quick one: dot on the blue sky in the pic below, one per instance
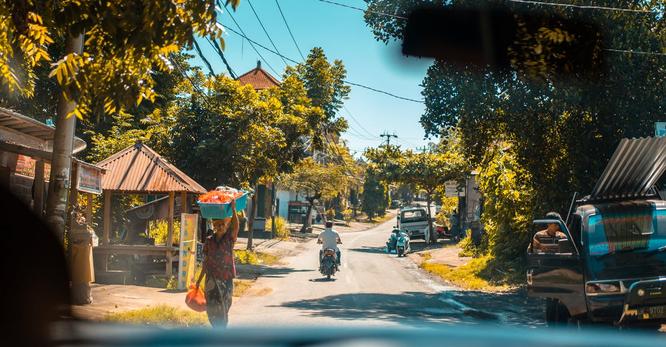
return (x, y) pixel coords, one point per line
(342, 33)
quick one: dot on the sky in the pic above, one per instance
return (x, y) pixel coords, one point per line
(343, 34)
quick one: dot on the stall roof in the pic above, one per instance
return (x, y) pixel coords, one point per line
(139, 169)
(633, 170)
(19, 124)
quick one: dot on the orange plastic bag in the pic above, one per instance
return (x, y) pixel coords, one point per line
(195, 299)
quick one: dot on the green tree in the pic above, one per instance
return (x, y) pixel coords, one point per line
(326, 88)
(317, 182)
(428, 172)
(373, 198)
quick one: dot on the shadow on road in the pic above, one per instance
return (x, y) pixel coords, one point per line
(416, 308)
(366, 249)
(323, 279)
(253, 271)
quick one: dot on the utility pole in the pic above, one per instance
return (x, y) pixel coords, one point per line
(388, 137)
(61, 162)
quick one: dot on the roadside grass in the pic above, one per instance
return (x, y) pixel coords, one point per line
(241, 287)
(475, 275)
(163, 315)
(246, 257)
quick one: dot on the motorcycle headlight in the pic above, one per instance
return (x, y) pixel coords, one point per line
(601, 288)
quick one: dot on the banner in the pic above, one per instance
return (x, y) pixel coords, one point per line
(189, 224)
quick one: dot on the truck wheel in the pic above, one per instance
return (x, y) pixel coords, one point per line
(556, 313)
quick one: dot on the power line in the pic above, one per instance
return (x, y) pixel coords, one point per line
(203, 58)
(385, 92)
(289, 29)
(218, 49)
(251, 43)
(357, 122)
(256, 15)
(362, 10)
(241, 34)
(586, 7)
(634, 52)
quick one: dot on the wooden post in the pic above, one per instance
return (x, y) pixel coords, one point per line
(38, 205)
(107, 217)
(89, 209)
(184, 206)
(169, 240)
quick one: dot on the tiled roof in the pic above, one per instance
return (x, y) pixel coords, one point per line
(258, 78)
(139, 169)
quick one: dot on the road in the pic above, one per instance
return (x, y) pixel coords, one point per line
(373, 288)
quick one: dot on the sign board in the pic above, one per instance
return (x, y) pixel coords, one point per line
(189, 224)
(451, 189)
(660, 129)
(90, 179)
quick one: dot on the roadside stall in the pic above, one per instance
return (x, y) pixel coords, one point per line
(139, 170)
(26, 147)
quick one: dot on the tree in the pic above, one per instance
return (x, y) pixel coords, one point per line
(374, 195)
(428, 172)
(113, 67)
(316, 181)
(326, 88)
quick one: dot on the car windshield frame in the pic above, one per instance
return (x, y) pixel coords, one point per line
(422, 218)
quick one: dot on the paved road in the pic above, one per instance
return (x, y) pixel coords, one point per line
(373, 288)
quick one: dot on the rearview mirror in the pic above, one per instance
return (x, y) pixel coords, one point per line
(499, 38)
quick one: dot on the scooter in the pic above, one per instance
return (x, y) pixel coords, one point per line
(402, 245)
(328, 263)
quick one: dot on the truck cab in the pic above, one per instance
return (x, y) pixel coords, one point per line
(611, 266)
(414, 222)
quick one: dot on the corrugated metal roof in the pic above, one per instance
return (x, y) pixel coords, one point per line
(258, 78)
(139, 169)
(19, 123)
(633, 169)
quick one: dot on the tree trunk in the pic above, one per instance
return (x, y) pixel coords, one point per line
(250, 222)
(433, 235)
(306, 224)
(61, 162)
(272, 211)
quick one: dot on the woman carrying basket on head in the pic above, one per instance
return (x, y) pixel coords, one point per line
(220, 268)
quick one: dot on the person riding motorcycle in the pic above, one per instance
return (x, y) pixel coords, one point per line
(329, 239)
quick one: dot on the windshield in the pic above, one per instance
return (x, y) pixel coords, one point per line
(626, 233)
(191, 161)
(413, 216)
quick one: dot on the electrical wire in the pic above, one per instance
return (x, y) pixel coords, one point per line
(251, 43)
(289, 29)
(362, 10)
(218, 49)
(256, 15)
(345, 81)
(585, 7)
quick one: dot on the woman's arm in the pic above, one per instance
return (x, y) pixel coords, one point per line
(235, 224)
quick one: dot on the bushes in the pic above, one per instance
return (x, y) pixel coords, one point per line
(159, 230)
(281, 230)
(160, 315)
(347, 215)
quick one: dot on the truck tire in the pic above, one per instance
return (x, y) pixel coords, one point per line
(556, 313)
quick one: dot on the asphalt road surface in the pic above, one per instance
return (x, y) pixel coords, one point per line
(373, 288)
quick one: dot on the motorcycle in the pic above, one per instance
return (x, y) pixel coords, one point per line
(328, 263)
(402, 245)
(398, 242)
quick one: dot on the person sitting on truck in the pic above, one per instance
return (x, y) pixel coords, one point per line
(547, 240)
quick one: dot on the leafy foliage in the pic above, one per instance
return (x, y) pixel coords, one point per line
(374, 196)
(124, 43)
(325, 86)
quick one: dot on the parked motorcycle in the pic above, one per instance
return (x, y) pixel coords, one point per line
(398, 242)
(402, 245)
(328, 263)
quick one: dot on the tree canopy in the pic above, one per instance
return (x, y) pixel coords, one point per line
(124, 43)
